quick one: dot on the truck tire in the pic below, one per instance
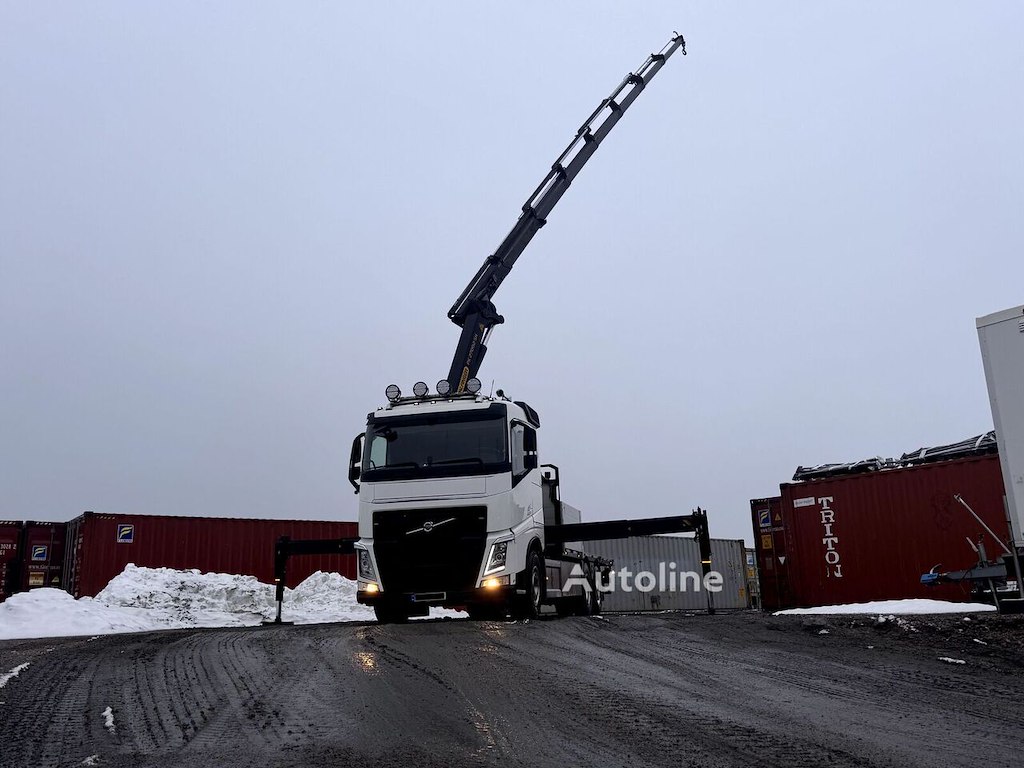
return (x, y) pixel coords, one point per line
(596, 600)
(528, 606)
(585, 603)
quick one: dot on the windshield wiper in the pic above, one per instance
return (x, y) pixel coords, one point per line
(466, 460)
(399, 464)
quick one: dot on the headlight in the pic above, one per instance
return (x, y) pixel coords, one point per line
(365, 564)
(497, 557)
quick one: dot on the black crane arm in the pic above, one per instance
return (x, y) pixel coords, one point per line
(474, 310)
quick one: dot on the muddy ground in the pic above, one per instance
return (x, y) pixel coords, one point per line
(741, 689)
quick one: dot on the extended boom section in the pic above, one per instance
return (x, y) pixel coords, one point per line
(474, 310)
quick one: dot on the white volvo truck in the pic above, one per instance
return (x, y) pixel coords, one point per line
(454, 508)
(455, 511)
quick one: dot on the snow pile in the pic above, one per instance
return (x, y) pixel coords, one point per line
(330, 597)
(189, 598)
(917, 605)
(53, 612)
(146, 599)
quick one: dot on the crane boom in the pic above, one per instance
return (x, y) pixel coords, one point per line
(474, 311)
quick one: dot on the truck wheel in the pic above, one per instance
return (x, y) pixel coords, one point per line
(596, 600)
(585, 603)
(528, 605)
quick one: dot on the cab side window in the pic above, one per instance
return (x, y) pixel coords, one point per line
(518, 450)
(524, 450)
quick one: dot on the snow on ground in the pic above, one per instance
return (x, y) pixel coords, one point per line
(146, 599)
(6, 677)
(918, 605)
(108, 720)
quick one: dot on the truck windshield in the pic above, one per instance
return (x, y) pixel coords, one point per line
(441, 445)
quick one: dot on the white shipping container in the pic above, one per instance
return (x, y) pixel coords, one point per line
(1002, 351)
(653, 553)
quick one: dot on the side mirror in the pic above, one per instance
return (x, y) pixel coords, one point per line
(530, 448)
(355, 461)
(530, 441)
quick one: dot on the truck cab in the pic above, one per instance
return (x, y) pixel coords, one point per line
(451, 506)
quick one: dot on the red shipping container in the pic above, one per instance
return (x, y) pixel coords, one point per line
(770, 552)
(101, 545)
(10, 547)
(857, 538)
(42, 555)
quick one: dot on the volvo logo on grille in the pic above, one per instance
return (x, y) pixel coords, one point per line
(428, 526)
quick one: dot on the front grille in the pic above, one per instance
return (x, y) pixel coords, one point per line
(426, 550)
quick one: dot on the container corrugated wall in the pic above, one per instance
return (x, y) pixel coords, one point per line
(42, 555)
(10, 541)
(770, 552)
(651, 553)
(101, 545)
(870, 537)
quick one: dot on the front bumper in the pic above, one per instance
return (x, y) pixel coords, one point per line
(446, 599)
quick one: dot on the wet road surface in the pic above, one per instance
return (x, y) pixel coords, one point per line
(669, 689)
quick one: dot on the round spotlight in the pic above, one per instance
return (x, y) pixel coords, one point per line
(443, 387)
(393, 392)
(473, 385)
(420, 389)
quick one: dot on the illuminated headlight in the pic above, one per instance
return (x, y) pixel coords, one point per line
(497, 557)
(371, 588)
(420, 389)
(473, 385)
(443, 387)
(495, 581)
(393, 392)
(365, 565)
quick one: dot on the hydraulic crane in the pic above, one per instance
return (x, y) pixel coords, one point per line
(455, 508)
(474, 310)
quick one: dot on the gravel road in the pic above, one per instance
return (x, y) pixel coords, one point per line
(670, 689)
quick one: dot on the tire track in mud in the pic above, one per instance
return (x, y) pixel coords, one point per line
(622, 691)
(702, 689)
(43, 699)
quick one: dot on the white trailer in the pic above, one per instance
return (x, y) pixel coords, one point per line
(1001, 335)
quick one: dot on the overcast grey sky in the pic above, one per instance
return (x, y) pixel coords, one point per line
(225, 228)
